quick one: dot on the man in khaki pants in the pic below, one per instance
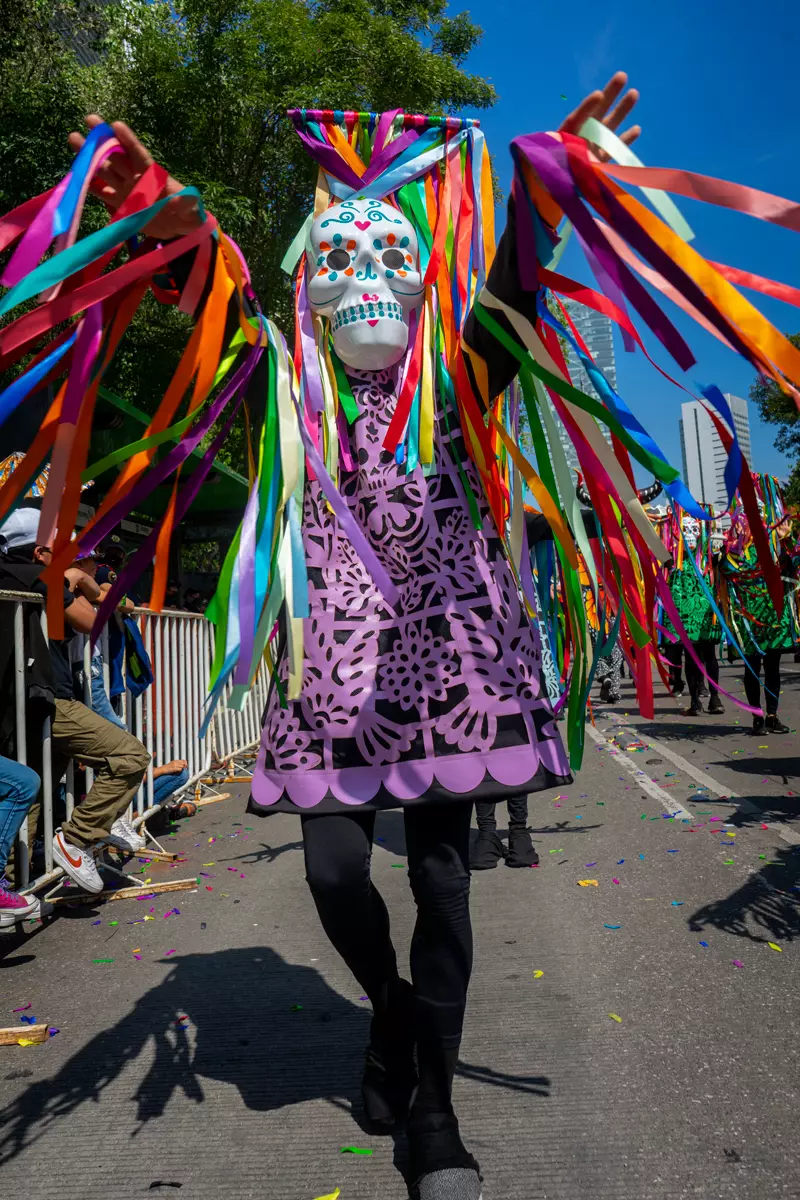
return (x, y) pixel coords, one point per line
(118, 759)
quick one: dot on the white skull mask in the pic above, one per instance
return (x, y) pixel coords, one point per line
(363, 262)
(691, 531)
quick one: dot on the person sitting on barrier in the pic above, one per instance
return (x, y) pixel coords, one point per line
(19, 787)
(100, 698)
(168, 779)
(117, 758)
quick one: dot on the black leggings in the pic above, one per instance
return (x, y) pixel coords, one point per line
(771, 660)
(673, 653)
(486, 812)
(706, 651)
(337, 850)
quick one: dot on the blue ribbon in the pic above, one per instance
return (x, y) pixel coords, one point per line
(16, 392)
(62, 218)
(677, 490)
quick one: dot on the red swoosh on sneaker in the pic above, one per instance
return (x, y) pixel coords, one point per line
(67, 855)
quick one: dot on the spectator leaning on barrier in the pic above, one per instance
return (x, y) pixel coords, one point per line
(118, 760)
(100, 699)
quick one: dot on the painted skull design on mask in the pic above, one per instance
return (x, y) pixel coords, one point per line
(363, 262)
(691, 531)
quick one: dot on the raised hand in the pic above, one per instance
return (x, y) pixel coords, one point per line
(601, 106)
(120, 172)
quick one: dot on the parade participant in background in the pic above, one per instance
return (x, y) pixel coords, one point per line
(696, 612)
(388, 586)
(763, 635)
(488, 848)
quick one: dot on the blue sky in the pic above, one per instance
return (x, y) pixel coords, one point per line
(718, 96)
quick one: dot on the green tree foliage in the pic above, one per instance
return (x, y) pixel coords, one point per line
(206, 85)
(776, 408)
(44, 90)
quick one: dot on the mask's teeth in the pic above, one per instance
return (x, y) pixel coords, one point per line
(371, 310)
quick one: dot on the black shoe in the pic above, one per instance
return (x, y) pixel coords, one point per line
(390, 1076)
(679, 690)
(438, 1160)
(486, 852)
(773, 724)
(695, 709)
(715, 705)
(758, 726)
(521, 850)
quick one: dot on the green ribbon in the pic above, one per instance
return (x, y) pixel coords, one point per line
(656, 466)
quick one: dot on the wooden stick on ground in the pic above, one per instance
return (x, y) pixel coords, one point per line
(213, 799)
(31, 1033)
(128, 893)
(159, 855)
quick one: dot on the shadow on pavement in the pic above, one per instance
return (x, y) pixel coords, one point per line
(249, 1032)
(767, 765)
(765, 908)
(240, 1003)
(264, 854)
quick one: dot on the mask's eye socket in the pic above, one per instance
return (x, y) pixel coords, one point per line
(338, 260)
(393, 259)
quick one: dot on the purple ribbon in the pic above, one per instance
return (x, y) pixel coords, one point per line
(549, 159)
(173, 460)
(658, 258)
(329, 159)
(247, 588)
(313, 398)
(138, 563)
(380, 161)
(350, 526)
(36, 239)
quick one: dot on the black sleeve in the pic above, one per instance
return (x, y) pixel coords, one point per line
(504, 283)
(538, 528)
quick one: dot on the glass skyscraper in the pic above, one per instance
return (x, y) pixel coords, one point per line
(597, 335)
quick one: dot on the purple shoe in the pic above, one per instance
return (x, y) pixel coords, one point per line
(13, 906)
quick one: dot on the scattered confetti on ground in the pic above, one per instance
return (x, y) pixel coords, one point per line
(614, 1017)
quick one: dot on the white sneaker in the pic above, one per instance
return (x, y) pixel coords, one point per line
(77, 862)
(125, 837)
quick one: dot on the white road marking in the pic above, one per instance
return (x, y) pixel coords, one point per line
(708, 781)
(643, 780)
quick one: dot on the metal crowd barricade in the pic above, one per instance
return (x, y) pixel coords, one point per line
(20, 600)
(168, 715)
(237, 734)
(166, 718)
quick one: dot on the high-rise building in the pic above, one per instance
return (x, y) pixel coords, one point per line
(596, 332)
(704, 456)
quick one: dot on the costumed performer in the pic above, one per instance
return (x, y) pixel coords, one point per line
(408, 336)
(427, 703)
(696, 611)
(763, 635)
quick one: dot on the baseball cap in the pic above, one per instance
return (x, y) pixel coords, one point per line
(20, 529)
(112, 546)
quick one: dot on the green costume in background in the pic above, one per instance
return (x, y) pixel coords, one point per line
(753, 613)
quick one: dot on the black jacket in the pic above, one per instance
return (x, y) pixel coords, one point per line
(39, 677)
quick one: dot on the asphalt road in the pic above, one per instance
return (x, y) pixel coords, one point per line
(225, 1057)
